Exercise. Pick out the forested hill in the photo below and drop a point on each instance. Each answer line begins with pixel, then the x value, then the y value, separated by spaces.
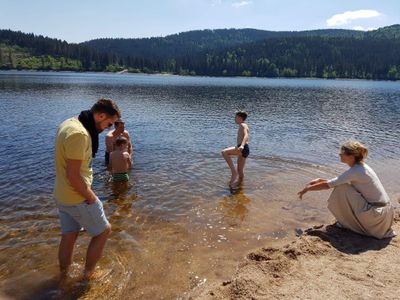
pixel 20 50
pixel 226 52
pixel 249 52
pixel 321 57
pixel 388 32
pixel 193 42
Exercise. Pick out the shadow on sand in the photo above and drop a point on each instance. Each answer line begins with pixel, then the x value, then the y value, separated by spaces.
pixel 52 288
pixel 347 241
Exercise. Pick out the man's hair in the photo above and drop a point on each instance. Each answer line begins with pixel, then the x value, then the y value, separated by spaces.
pixel 121 141
pixel 106 106
pixel 242 114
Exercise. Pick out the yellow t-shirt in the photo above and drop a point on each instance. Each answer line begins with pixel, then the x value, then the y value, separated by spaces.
pixel 72 142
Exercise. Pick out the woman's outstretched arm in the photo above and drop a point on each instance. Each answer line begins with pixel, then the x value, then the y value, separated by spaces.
pixel 317 180
pixel 314 186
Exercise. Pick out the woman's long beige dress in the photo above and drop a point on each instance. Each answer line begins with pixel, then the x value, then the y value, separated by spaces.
pixel 360 203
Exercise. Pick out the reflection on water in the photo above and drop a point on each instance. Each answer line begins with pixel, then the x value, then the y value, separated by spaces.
pixel 176 224
pixel 234 205
pixel 120 189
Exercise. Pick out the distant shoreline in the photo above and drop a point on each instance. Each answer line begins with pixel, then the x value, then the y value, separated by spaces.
pixel 199 76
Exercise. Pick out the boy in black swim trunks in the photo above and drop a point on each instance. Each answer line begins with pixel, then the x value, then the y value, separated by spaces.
pixel 242 149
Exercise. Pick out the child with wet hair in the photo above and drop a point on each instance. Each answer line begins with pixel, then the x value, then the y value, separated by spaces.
pixel 120 160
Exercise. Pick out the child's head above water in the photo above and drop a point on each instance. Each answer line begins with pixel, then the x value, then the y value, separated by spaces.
pixel 240 116
pixel 119 125
pixel 121 141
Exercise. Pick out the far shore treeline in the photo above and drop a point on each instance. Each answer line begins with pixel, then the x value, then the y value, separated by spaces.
pixel 224 52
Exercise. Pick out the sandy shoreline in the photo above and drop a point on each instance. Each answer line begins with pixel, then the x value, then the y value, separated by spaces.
pixel 324 263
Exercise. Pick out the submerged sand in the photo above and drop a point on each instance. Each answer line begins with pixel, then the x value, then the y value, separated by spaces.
pixel 323 263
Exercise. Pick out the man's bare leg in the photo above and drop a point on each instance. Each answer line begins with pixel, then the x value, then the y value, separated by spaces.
pixel 94 251
pixel 65 250
pixel 226 153
pixel 240 164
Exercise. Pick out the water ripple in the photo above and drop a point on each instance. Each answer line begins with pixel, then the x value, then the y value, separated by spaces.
pixel 177 197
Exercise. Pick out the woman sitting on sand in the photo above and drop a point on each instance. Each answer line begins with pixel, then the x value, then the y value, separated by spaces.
pixel 359 202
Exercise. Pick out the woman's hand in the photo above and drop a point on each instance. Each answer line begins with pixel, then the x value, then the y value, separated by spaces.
pixel 302 192
pixel 318 185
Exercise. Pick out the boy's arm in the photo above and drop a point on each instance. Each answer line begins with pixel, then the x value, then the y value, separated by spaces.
pixel 109 144
pixel 245 135
pixel 130 147
pixel 128 159
pixel 76 181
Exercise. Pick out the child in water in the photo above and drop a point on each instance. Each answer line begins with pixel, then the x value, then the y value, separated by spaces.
pixel 120 160
pixel 242 150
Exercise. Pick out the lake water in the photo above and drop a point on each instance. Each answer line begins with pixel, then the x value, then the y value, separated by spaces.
pixel 178 225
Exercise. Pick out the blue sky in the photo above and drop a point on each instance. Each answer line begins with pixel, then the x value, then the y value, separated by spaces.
pixel 78 21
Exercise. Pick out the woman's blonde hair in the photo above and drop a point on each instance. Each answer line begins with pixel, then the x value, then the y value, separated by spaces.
pixel 355 148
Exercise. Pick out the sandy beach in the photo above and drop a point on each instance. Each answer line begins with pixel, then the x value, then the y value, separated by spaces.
pixel 325 262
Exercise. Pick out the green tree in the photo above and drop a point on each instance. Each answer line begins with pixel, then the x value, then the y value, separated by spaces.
pixel 288 72
pixel 329 72
pixel 394 73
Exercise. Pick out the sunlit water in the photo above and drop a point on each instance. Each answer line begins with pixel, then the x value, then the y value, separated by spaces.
pixel 178 225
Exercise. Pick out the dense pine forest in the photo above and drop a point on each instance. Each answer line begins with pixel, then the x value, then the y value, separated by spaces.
pixel 225 52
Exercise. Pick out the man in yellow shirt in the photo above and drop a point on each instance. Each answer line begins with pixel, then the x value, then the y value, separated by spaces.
pixel 76 143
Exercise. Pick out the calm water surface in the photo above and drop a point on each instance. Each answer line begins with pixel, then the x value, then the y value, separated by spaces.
pixel 177 225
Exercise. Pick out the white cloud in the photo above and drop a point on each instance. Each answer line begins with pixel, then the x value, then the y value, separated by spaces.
pixel 241 3
pixel 363 28
pixel 348 16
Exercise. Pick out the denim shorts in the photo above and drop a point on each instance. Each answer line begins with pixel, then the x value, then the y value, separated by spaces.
pixel 88 216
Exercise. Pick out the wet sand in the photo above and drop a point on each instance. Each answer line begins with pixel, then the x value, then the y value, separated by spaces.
pixel 324 263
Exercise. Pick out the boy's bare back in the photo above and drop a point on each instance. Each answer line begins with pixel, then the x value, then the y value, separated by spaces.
pixel 120 161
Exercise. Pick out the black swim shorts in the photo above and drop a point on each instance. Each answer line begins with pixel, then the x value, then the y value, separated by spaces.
pixel 245 151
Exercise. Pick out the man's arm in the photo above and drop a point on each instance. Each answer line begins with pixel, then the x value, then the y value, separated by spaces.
pixel 76 181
